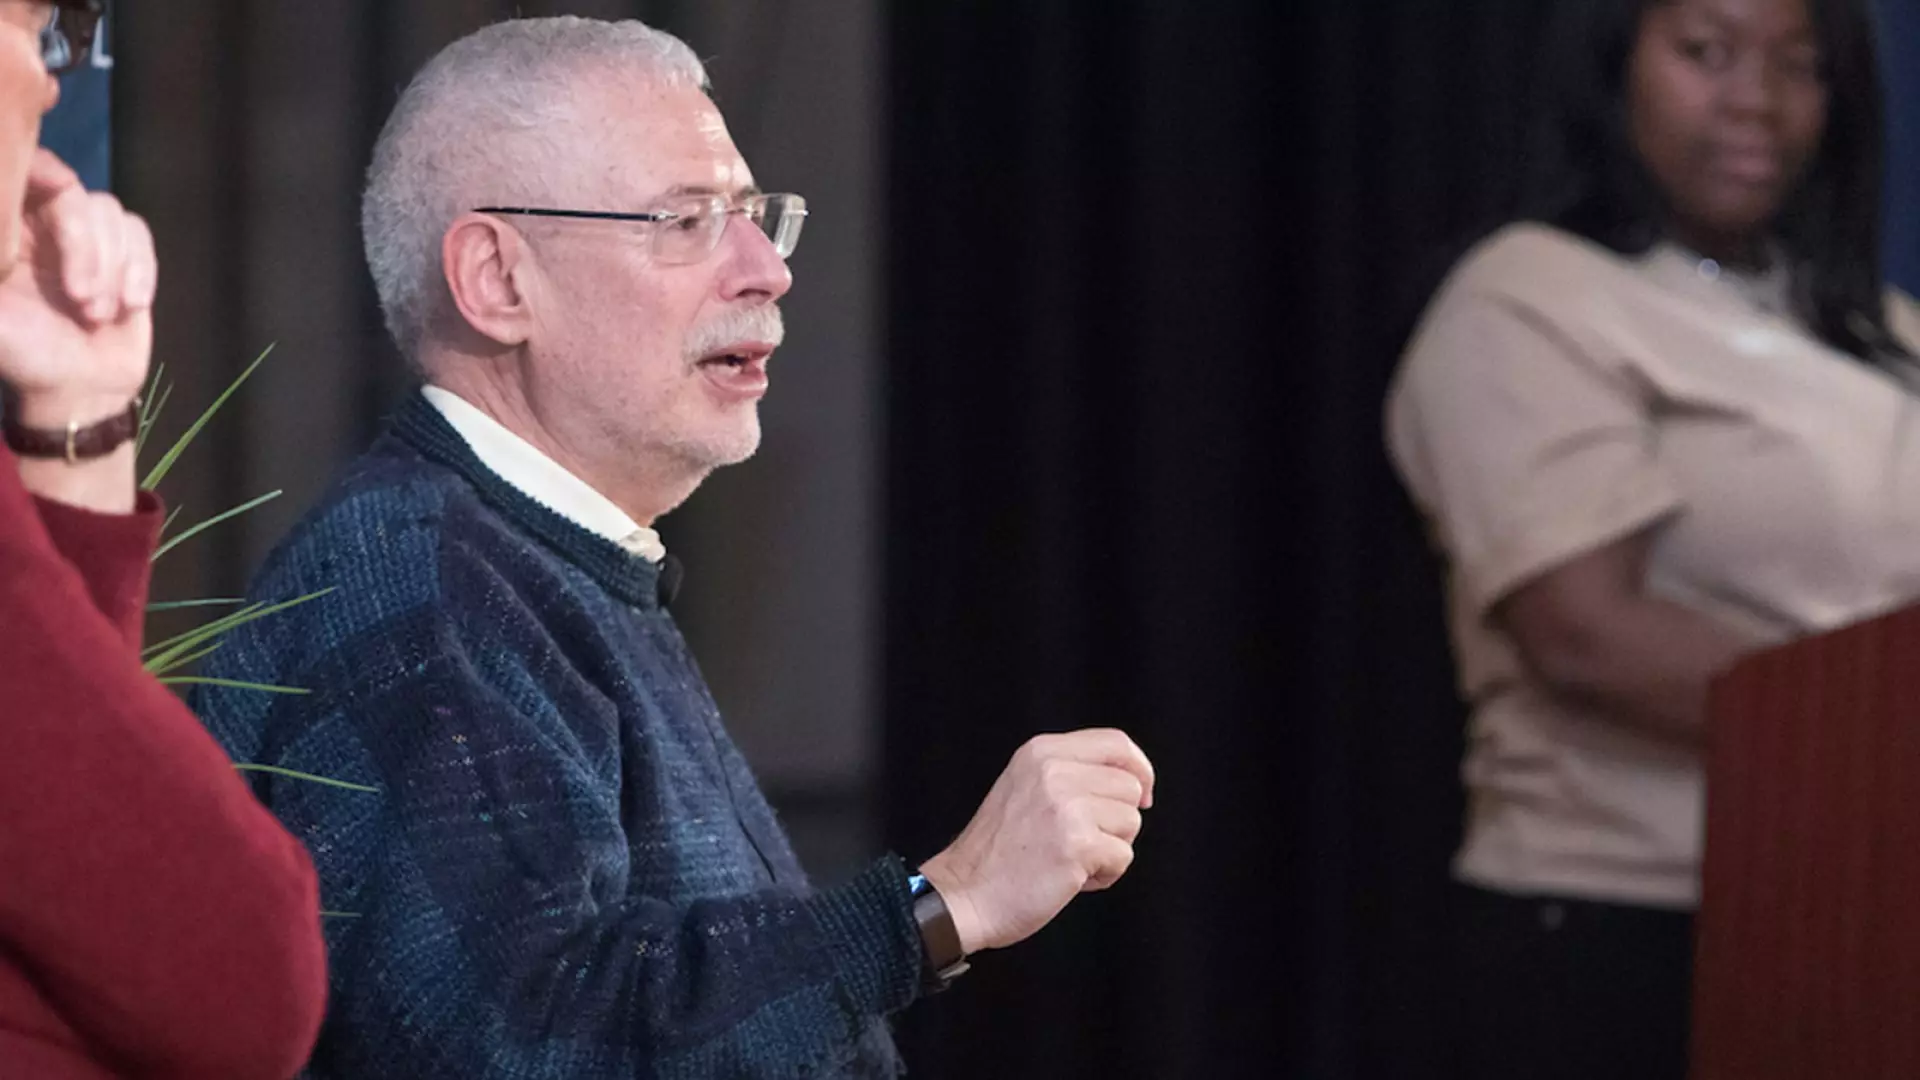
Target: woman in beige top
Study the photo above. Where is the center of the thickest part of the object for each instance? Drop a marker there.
(1665, 418)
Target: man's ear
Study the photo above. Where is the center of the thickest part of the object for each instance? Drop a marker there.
(486, 265)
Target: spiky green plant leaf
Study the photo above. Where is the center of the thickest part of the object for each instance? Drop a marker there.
(166, 462)
(170, 650)
(201, 680)
(214, 520)
(183, 650)
(180, 605)
(150, 410)
(185, 661)
(309, 777)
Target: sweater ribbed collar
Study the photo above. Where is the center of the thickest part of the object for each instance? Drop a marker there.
(627, 576)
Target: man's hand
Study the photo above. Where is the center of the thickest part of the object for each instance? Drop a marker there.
(1060, 821)
(76, 324)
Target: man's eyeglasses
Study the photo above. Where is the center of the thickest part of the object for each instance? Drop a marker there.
(688, 228)
(66, 42)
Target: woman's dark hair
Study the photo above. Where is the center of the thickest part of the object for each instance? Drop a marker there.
(1583, 174)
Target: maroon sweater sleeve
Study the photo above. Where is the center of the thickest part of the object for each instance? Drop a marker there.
(113, 554)
(166, 915)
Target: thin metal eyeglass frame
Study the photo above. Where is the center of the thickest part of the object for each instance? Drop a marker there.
(652, 216)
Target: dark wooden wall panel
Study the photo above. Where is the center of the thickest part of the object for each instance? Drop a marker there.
(1809, 941)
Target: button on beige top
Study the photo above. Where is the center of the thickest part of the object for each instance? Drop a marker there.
(1558, 397)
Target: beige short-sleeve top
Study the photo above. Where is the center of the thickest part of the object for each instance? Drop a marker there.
(1557, 397)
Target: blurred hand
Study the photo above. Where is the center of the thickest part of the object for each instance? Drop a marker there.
(76, 322)
(1060, 820)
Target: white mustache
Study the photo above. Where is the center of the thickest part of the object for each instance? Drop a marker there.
(760, 323)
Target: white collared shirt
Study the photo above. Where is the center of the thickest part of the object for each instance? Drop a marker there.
(543, 479)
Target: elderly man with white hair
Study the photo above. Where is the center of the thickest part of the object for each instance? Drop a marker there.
(568, 869)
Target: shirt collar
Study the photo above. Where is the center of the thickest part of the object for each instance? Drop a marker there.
(1768, 289)
(541, 478)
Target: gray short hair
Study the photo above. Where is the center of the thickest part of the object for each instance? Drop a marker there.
(476, 122)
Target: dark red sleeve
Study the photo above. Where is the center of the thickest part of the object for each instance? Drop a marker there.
(112, 552)
(166, 915)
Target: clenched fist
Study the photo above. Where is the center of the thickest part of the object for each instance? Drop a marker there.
(1060, 820)
(76, 321)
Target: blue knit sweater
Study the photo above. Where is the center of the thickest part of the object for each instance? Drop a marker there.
(569, 871)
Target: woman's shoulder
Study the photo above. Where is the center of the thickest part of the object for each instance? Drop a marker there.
(1531, 261)
(1544, 274)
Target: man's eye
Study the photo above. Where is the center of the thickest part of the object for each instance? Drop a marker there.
(689, 222)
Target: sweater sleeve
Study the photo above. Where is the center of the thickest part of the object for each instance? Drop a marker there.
(163, 912)
(495, 934)
(113, 554)
(527, 902)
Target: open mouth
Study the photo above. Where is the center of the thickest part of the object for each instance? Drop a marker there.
(737, 370)
(737, 357)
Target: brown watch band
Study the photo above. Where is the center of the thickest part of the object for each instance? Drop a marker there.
(946, 961)
(75, 442)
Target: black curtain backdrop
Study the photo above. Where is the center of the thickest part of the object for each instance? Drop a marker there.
(1150, 264)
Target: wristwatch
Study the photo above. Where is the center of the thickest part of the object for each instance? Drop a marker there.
(75, 442)
(940, 940)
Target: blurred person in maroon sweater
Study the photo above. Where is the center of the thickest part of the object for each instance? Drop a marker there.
(155, 921)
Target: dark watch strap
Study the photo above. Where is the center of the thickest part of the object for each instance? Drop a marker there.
(74, 442)
(938, 936)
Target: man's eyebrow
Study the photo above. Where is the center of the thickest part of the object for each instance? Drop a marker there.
(709, 189)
